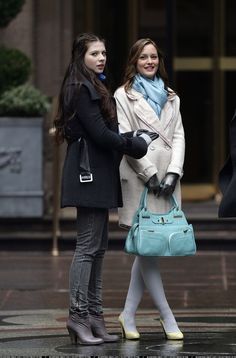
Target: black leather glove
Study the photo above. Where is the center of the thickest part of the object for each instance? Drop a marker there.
(153, 184)
(144, 132)
(168, 183)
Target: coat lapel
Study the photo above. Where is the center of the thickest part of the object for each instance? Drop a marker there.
(167, 113)
(148, 116)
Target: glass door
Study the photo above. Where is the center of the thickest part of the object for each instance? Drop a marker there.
(204, 74)
(199, 41)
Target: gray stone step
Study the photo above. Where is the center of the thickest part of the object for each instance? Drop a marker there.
(203, 216)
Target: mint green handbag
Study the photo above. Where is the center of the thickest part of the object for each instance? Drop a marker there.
(155, 234)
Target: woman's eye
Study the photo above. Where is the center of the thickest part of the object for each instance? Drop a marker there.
(97, 53)
(153, 57)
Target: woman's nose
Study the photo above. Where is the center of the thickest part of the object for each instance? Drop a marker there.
(101, 57)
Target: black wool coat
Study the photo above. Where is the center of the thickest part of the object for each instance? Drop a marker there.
(105, 149)
(227, 177)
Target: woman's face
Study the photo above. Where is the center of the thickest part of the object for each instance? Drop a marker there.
(148, 61)
(95, 56)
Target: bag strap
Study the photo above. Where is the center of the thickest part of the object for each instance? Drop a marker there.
(84, 156)
(143, 200)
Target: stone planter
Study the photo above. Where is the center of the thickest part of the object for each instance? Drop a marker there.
(21, 164)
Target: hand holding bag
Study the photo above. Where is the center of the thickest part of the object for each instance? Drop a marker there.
(154, 234)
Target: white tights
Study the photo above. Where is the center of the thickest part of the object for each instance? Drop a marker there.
(145, 273)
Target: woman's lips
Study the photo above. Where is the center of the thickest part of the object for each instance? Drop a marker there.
(150, 68)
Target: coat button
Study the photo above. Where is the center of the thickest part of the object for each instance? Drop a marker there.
(167, 147)
(152, 147)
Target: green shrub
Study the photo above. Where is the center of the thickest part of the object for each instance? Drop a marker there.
(15, 68)
(8, 10)
(24, 100)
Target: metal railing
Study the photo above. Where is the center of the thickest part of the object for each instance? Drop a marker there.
(56, 180)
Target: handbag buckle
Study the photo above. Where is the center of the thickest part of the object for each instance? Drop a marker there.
(86, 177)
(178, 216)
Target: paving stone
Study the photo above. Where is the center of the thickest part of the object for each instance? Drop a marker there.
(34, 299)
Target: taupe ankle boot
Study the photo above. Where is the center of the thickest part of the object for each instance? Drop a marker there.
(99, 329)
(79, 329)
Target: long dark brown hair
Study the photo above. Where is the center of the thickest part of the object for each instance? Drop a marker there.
(131, 66)
(76, 72)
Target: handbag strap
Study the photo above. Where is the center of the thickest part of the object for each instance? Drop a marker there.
(84, 156)
(143, 200)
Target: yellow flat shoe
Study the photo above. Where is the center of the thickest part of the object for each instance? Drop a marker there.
(132, 335)
(172, 335)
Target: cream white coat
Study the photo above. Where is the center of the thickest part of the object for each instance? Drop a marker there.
(165, 154)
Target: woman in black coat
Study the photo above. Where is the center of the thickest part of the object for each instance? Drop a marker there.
(87, 120)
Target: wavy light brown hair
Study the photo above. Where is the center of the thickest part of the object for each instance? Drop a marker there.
(131, 66)
(76, 72)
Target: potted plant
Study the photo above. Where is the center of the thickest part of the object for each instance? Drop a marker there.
(8, 10)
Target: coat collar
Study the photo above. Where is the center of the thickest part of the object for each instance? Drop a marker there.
(93, 93)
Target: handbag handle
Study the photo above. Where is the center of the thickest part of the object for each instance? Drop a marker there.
(143, 200)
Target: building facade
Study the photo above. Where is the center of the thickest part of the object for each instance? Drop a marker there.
(199, 43)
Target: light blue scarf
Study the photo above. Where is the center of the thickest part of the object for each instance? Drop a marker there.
(152, 90)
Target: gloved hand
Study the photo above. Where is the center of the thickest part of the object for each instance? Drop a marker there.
(146, 135)
(168, 183)
(153, 184)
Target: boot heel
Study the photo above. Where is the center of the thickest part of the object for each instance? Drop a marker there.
(73, 335)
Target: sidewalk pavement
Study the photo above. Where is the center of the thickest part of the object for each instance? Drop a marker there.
(34, 299)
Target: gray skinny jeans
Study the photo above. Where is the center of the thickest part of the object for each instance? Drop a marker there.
(85, 278)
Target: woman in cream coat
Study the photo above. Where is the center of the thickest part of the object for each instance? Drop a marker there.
(145, 102)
